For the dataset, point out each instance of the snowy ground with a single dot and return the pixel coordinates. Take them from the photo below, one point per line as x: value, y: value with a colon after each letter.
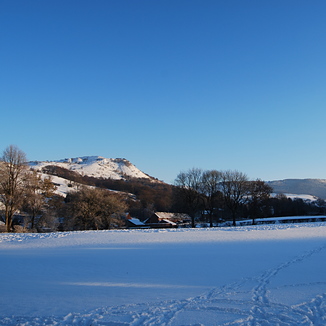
x: 253, y: 275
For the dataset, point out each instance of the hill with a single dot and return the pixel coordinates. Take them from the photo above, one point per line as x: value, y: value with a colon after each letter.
x: 313, y: 187
x: 97, y: 167
x: 112, y: 174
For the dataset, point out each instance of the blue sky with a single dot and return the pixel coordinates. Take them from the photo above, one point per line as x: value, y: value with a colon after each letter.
x: 168, y: 85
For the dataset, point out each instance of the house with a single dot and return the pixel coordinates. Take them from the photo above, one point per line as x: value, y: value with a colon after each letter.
x: 161, y: 220
x: 135, y: 223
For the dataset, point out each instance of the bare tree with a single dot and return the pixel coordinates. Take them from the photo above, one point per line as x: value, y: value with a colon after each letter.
x: 189, y: 191
x: 13, y: 170
x: 259, y: 194
x: 210, y: 188
x: 235, y: 189
x: 37, y: 194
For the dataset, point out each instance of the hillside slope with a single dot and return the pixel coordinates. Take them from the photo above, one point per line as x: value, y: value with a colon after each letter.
x: 97, y: 166
x: 314, y: 187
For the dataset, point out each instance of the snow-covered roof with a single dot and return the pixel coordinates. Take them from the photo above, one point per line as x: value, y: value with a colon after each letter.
x: 166, y: 215
x: 135, y: 221
x: 168, y: 221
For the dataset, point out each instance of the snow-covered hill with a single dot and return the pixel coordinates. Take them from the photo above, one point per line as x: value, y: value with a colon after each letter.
x: 313, y: 187
x: 96, y: 166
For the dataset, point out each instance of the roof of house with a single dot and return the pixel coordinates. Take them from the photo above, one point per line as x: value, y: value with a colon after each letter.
x: 165, y: 215
x: 135, y: 221
x: 164, y: 220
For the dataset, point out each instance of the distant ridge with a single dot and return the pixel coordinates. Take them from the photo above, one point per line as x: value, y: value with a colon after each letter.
x: 96, y: 166
x: 313, y: 187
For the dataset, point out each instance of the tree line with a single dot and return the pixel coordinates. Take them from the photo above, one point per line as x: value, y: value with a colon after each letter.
x: 207, y: 196
x: 213, y: 191
x: 218, y: 196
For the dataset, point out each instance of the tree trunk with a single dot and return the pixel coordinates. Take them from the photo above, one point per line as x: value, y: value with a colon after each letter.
x: 8, y: 217
x: 193, y: 225
x: 234, y: 214
x: 210, y: 220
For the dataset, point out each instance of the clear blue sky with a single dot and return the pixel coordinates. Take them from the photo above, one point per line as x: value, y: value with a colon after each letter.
x: 168, y: 85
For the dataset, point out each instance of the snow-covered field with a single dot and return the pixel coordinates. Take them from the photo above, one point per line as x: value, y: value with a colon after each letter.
x: 253, y: 275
